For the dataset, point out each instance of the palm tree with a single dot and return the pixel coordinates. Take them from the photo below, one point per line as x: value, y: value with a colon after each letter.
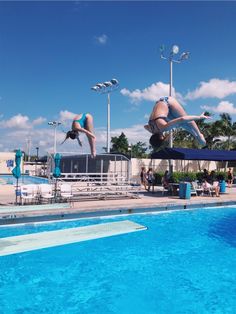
x: 228, y: 129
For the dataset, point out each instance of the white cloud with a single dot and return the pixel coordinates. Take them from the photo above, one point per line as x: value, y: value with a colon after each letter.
x: 39, y: 121
x: 102, y: 39
x: 66, y: 115
x: 223, y: 106
x: 152, y: 93
x: 44, y: 139
x: 135, y: 133
x: 19, y: 121
x: 214, y: 88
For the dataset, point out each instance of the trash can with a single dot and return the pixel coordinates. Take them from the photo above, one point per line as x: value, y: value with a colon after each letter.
x: 185, y: 190
x: 222, y: 186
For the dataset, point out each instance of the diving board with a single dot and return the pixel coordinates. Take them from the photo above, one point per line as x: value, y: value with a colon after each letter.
x: 19, y: 209
x: 35, y: 241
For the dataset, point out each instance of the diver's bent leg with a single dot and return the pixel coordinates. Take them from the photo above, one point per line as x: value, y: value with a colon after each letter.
x: 92, y: 144
x: 89, y: 123
x: 176, y: 111
x: 193, y: 129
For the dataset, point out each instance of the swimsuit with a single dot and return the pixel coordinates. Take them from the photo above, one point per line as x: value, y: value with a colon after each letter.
x: 82, y: 120
x: 165, y: 99
x: 152, y: 123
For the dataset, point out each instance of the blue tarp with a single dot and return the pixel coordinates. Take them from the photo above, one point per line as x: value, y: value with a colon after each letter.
x: 195, y: 154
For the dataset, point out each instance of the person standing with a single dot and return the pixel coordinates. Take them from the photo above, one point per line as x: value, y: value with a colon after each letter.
x: 150, y: 179
x: 165, y: 180
x: 230, y: 178
x: 143, y: 177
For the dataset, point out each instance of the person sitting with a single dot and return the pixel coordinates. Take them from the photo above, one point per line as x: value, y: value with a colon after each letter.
x: 165, y: 180
x: 209, y: 188
x: 167, y: 114
x: 83, y: 123
x: 212, y: 177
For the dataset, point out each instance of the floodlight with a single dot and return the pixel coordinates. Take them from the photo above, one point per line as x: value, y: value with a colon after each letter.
x: 175, y: 49
x: 108, y: 84
x: 100, y: 85
x: 95, y: 88
x: 184, y: 56
x: 114, y: 81
x: 162, y: 48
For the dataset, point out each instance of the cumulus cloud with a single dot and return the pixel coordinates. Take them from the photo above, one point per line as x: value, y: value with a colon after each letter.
x: 102, y: 40
x: 135, y: 133
x: 150, y: 93
x: 153, y: 92
x: 39, y: 121
x: 19, y: 121
x: 214, y: 88
x: 223, y: 106
x: 66, y: 115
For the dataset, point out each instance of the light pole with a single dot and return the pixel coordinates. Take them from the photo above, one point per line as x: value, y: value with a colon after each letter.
x: 130, y: 149
x: 171, y: 59
x: 28, y: 148
x: 106, y: 88
x: 55, y: 124
x: 37, y: 152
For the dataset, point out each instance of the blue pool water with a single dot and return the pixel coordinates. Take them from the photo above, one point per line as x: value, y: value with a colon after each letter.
x: 25, y: 179
x: 183, y: 263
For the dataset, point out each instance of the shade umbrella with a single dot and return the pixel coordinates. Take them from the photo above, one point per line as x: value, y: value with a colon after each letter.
x: 16, y: 171
x: 57, y: 170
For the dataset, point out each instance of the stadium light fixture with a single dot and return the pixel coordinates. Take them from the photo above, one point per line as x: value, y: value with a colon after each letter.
x: 106, y: 88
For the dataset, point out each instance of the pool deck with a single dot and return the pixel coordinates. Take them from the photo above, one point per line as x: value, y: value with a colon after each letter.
x: 148, y: 202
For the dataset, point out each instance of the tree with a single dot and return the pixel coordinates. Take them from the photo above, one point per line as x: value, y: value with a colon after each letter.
x: 138, y: 150
x: 228, y: 130
x: 120, y: 144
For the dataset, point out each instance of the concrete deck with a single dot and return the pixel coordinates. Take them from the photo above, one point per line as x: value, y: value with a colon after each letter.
x: 148, y: 202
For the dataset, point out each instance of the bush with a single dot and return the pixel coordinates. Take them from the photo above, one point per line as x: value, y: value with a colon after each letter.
x: 187, y: 176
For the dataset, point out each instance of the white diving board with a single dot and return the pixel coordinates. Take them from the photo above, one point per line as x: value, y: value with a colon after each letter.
x: 35, y: 241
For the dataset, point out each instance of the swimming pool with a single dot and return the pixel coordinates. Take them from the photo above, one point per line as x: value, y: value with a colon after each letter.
x: 183, y: 263
x: 25, y: 179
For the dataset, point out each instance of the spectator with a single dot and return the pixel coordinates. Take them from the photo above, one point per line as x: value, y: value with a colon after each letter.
x: 211, y: 188
x: 212, y: 177
x: 230, y: 178
x: 150, y: 179
x: 205, y: 174
x: 165, y: 180
x: 143, y: 177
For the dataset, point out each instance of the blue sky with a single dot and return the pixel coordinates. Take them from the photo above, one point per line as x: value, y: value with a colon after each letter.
x: 51, y: 53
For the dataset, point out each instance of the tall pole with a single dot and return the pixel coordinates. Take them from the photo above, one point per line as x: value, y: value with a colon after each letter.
x: 37, y: 152
x: 171, y: 132
x: 28, y: 147
x: 170, y: 94
x: 102, y: 88
x: 55, y: 139
x: 171, y: 59
x: 55, y: 124
x: 108, y: 123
